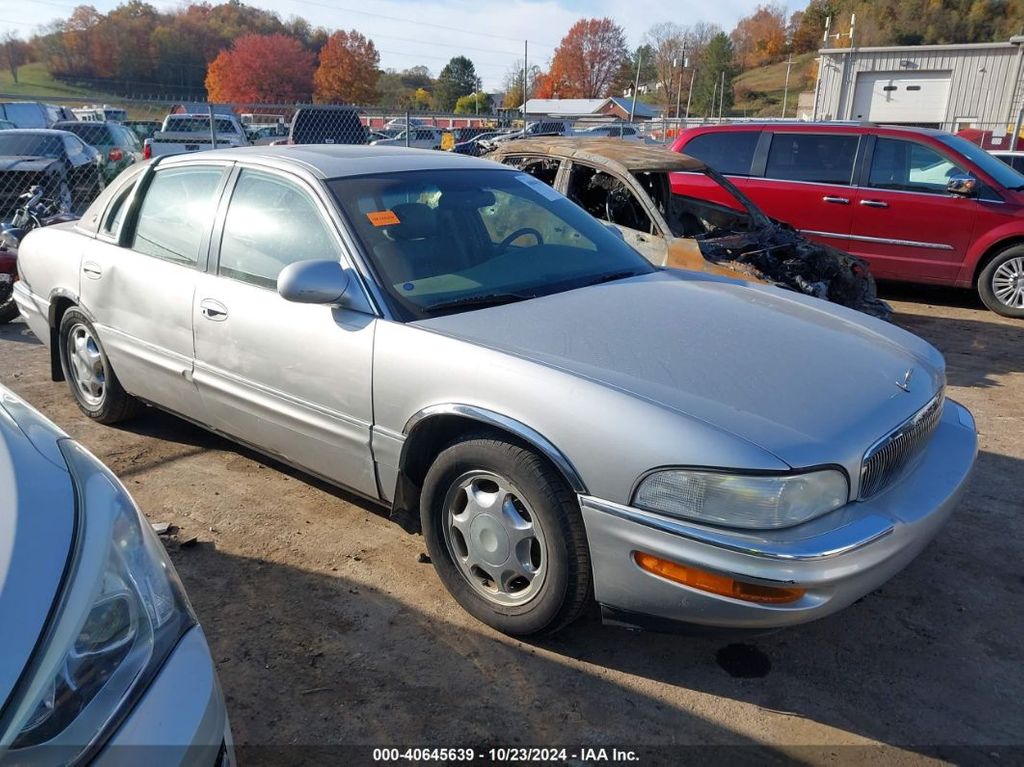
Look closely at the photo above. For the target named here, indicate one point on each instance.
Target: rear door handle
(874, 204)
(213, 310)
(92, 270)
(836, 200)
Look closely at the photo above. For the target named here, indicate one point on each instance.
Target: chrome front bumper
(837, 558)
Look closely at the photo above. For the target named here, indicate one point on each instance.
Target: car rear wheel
(1001, 283)
(506, 536)
(87, 370)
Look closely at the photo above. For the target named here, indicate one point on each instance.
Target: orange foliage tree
(760, 38)
(348, 69)
(586, 61)
(261, 69)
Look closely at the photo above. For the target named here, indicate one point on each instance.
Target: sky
(429, 32)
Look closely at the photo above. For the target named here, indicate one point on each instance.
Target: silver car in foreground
(100, 652)
(562, 420)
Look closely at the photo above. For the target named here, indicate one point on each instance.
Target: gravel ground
(327, 629)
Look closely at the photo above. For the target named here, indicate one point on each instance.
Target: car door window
(608, 198)
(730, 152)
(823, 158)
(177, 211)
(270, 223)
(910, 167)
(116, 212)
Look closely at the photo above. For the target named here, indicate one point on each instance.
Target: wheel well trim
(499, 421)
(972, 269)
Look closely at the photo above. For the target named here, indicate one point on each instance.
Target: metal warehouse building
(937, 86)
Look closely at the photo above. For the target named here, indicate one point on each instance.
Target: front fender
(1003, 236)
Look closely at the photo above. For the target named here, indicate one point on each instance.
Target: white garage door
(917, 98)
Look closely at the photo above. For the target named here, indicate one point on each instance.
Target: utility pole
(785, 91)
(689, 93)
(636, 84)
(714, 98)
(526, 95)
(721, 97)
(679, 85)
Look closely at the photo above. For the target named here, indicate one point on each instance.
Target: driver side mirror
(962, 185)
(320, 282)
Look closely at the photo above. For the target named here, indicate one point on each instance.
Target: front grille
(884, 462)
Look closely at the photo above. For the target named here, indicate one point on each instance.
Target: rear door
(805, 180)
(729, 152)
(904, 222)
(139, 277)
(291, 379)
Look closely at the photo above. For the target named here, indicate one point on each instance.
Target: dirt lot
(326, 628)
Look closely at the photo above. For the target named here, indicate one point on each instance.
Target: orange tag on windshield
(383, 218)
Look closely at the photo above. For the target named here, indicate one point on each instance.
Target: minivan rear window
(729, 152)
(823, 158)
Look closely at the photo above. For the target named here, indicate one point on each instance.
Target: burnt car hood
(801, 378)
(22, 163)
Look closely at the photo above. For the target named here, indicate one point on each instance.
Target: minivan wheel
(87, 370)
(506, 536)
(1001, 283)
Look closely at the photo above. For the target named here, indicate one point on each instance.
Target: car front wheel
(1001, 283)
(506, 536)
(87, 370)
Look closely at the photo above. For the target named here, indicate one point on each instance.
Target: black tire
(113, 404)
(8, 311)
(1006, 263)
(566, 586)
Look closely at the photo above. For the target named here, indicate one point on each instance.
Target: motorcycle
(33, 211)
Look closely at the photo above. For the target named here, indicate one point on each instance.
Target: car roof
(341, 160)
(831, 127)
(40, 131)
(631, 156)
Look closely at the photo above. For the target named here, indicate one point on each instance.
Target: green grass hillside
(34, 80)
(759, 91)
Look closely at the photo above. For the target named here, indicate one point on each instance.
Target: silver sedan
(562, 421)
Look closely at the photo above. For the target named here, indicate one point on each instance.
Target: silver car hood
(37, 513)
(806, 380)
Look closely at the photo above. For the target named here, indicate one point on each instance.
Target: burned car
(628, 185)
(60, 163)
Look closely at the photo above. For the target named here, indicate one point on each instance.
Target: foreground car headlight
(743, 500)
(121, 612)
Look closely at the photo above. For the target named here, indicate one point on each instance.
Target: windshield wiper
(477, 302)
(612, 277)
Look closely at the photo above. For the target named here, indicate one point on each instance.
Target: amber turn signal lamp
(714, 583)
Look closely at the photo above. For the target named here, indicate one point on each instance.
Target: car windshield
(997, 169)
(442, 241)
(94, 134)
(31, 145)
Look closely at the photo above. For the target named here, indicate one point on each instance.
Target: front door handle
(874, 204)
(92, 270)
(836, 200)
(213, 310)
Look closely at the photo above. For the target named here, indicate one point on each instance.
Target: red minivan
(919, 205)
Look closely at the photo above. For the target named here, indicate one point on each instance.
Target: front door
(290, 379)
(139, 284)
(904, 222)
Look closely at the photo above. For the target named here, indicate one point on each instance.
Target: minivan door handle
(874, 204)
(213, 310)
(836, 200)
(92, 270)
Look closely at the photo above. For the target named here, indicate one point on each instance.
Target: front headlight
(743, 500)
(121, 613)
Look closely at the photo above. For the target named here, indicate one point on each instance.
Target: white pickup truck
(191, 133)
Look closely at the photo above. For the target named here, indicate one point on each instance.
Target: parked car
(1014, 159)
(102, 650)
(476, 146)
(465, 134)
(918, 205)
(34, 114)
(327, 125)
(559, 417)
(67, 169)
(418, 138)
(614, 130)
(143, 129)
(118, 146)
(183, 133)
(98, 113)
(628, 187)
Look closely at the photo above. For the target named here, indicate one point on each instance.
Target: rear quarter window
(729, 152)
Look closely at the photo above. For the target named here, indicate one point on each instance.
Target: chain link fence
(105, 138)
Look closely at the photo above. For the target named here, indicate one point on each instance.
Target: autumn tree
(667, 44)
(587, 60)
(458, 78)
(262, 68)
(348, 70)
(474, 103)
(512, 84)
(15, 52)
(760, 38)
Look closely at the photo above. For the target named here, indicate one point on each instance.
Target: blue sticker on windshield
(408, 286)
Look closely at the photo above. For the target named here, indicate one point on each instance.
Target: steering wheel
(519, 233)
